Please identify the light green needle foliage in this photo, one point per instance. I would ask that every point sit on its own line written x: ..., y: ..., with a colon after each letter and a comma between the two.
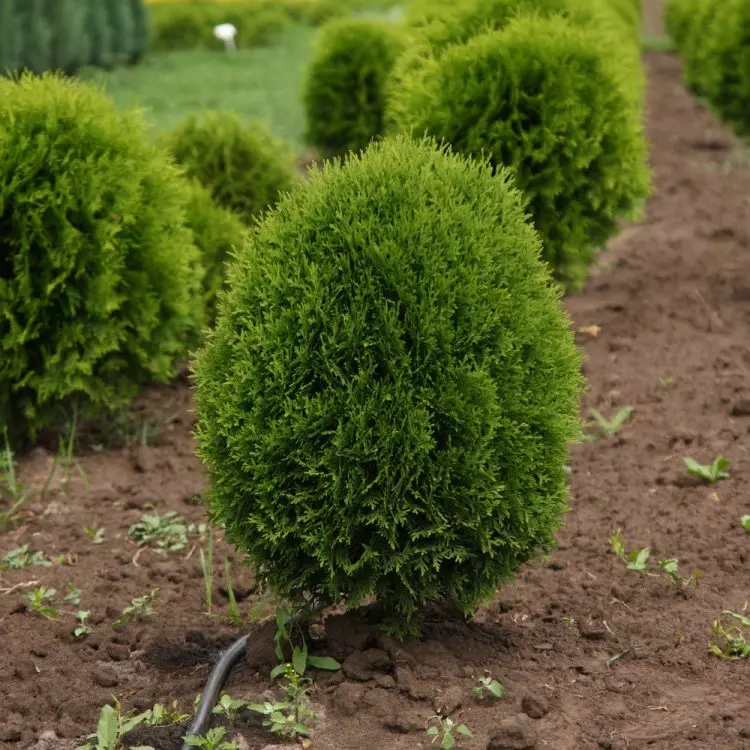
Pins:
x: 544, y: 98
x: 709, y: 473
x: 243, y: 167
x: 387, y: 400
x: 98, y: 274
x: 346, y: 82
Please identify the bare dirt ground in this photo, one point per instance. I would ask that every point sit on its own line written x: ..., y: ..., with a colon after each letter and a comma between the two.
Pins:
x: 671, y: 299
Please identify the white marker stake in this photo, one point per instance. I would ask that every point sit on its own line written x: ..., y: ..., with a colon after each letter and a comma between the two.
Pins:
x: 227, y: 32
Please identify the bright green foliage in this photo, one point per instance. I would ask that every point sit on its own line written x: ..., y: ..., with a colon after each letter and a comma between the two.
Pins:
x: 435, y: 26
x: 346, y: 84
x: 99, y: 278
x: 680, y: 17
x: 217, y: 232
x: 243, y: 167
x: 388, y: 396
x: 629, y: 11
x: 542, y: 98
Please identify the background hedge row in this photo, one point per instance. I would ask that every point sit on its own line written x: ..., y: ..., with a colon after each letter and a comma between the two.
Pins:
x: 713, y: 36
x: 40, y: 35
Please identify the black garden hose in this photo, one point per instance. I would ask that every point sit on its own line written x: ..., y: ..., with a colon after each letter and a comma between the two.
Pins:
x: 216, y: 681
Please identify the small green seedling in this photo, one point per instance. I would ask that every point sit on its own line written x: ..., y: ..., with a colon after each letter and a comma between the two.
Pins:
x: 229, y: 707
x: 168, y: 532
x: 486, y: 687
x: 40, y: 600
x: 636, y: 559
x: 73, y: 596
x: 613, y: 426
x: 161, y: 716
x: 112, y: 727
x: 207, y: 569
x: 745, y: 521
x: 709, y: 473
x: 23, y: 557
x: 670, y: 569
x: 445, y: 729
x: 141, y: 606
x: 82, y: 628
x: 212, y: 740
x: 96, y: 535
x: 734, y: 646
x: 12, y: 490
x: 234, y: 611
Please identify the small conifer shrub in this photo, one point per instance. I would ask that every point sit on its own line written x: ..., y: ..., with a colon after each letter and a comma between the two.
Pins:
x: 388, y: 396
x: 542, y: 98
x: 218, y: 233
x: 99, y: 278
x: 346, y: 82
x: 243, y: 167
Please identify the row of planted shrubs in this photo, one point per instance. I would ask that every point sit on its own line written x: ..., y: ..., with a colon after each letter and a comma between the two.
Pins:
x: 40, y: 35
x: 713, y: 37
x: 552, y: 89
x: 189, y: 25
x: 113, y: 248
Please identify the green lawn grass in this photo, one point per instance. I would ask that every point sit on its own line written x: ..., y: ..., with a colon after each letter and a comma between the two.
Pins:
x: 263, y: 82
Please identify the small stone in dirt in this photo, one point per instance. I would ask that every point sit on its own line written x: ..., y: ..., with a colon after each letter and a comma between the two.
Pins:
x: 24, y: 669
x: 513, y: 734
x: 105, y: 677
x: 143, y: 458
x: 404, y: 721
x: 449, y: 701
x: 10, y: 734
x: 118, y: 652
x: 744, y: 732
x: 39, y: 651
x: 385, y: 681
x: 362, y: 665
x: 741, y: 408
x: 593, y: 630
x: 534, y: 706
x: 348, y: 697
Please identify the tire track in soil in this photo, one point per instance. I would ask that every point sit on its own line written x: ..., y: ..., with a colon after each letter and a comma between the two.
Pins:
x: 672, y: 298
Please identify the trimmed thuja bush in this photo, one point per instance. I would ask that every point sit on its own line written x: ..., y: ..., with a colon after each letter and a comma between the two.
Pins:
x: 346, y: 84
x: 99, y: 277
x: 542, y: 98
x: 243, y: 167
x: 217, y: 232
x: 388, y: 396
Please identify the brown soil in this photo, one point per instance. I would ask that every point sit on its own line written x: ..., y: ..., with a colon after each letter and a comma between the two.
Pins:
x: 672, y: 300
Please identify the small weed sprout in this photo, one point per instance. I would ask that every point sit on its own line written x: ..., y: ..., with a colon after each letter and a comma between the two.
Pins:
x: 12, y: 491
x: 168, y: 532
x: 40, y: 600
x: 637, y: 559
x: 212, y: 740
x: 732, y: 638
x: 23, y: 557
x: 73, y: 596
x: 745, y: 521
x: 486, y: 687
x: 160, y: 716
x: 613, y: 426
x: 445, y: 729
x: 141, y: 606
x: 82, y: 628
x: 207, y: 569
x: 229, y: 707
x: 234, y: 611
x: 709, y: 473
x: 112, y: 727
x: 289, y: 717
x: 96, y: 535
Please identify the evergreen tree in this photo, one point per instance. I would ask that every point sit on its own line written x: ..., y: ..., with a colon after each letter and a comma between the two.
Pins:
x: 9, y: 37
x: 98, y: 33
x: 36, y: 35
x: 140, y: 30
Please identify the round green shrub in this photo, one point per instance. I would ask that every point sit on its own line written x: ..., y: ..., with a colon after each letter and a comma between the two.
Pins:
x: 243, y: 167
x: 217, y: 233
x: 388, y: 396
x: 696, y: 49
x: 99, y: 278
x: 542, y: 98
x: 346, y: 81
